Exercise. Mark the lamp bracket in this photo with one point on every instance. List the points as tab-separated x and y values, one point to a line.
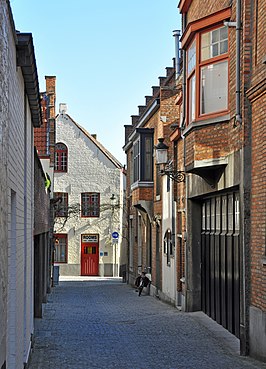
176	175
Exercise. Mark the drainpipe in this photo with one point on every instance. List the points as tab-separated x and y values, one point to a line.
176	35
238	35
237	24
185	276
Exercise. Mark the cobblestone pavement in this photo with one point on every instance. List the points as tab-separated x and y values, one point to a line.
103	324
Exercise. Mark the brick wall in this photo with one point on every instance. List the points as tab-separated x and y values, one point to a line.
255	105
258	175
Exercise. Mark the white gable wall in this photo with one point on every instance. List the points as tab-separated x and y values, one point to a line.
168	270
89	170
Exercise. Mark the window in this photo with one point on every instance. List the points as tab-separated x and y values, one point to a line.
60	251
214	43
61	204
136	155
60	157
158	180
191	81
90	204
214	88
143	156
191	57
207	74
192	98
168	245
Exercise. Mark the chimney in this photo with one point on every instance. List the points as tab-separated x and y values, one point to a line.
62	108
50	84
176	35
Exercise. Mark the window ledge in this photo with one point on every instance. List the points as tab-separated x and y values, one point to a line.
141	184
201	123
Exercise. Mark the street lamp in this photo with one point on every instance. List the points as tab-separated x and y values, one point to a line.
113	201
161	155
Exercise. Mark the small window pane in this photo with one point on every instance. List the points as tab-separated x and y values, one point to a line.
192	98
191	54
224	47
214	88
223	33
215	50
215	35
136	161
214	43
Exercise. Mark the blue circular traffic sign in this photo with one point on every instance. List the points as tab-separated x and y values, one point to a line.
115	234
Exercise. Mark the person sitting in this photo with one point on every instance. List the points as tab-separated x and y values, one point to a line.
141	282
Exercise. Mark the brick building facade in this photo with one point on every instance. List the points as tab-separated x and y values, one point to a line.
216	218
222	140
151	205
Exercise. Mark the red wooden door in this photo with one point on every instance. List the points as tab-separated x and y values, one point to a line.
89	254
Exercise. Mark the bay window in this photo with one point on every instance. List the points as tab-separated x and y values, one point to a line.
143	156
207	74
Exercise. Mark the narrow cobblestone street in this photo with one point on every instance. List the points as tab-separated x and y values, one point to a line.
103	324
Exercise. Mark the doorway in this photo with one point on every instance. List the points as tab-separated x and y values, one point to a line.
89	254
220	260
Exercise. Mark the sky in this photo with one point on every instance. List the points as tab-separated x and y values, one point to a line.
106	56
